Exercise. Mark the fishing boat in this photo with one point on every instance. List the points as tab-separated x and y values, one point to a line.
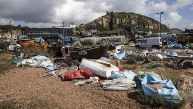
94	52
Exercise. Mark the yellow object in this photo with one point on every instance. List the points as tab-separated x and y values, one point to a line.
32	42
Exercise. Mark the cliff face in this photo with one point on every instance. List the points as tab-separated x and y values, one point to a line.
114	20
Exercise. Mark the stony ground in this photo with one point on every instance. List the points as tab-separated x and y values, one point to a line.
26	88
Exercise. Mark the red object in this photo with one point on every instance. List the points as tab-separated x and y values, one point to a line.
121	69
82	74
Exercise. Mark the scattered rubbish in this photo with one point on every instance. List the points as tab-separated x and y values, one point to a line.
169	53
131	43
15	47
135	58
174	44
118	84
119	55
88	81
154	64
125	74
142	74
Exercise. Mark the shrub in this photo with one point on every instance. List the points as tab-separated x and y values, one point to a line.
8	105
130	66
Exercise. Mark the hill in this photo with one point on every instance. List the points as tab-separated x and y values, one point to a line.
120	20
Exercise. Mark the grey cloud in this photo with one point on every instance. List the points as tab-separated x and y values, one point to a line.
29	10
78	11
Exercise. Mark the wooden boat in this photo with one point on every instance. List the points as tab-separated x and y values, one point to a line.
95	52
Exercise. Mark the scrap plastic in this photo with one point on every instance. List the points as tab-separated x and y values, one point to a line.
125	74
169	93
118	84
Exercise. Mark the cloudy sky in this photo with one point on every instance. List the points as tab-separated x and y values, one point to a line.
48	13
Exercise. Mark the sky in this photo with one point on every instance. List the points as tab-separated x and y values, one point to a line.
48	13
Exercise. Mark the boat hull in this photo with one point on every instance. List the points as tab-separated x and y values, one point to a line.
89	53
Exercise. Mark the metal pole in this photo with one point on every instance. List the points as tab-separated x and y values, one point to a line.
63	29
160	24
63	35
11	30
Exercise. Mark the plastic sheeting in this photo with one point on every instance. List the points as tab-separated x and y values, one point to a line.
141	75
88	81
174	44
118	84
125	74
169	53
83	74
131	44
41	58
14	47
119	55
38	61
168	93
97	68
18	60
30	62
142	53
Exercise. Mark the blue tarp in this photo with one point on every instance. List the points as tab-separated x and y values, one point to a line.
67	41
169	93
119	55
39	39
169	53
38	57
51	67
107	55
17	60
176	45
125	74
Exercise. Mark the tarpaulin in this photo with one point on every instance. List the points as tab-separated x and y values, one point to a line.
38	57
169	53
124	74
141	75
168	93
119	55
118	84
83	74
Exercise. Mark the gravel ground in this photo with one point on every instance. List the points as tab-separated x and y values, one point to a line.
26	85
29	89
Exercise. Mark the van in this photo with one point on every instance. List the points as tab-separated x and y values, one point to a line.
154	42
167	35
